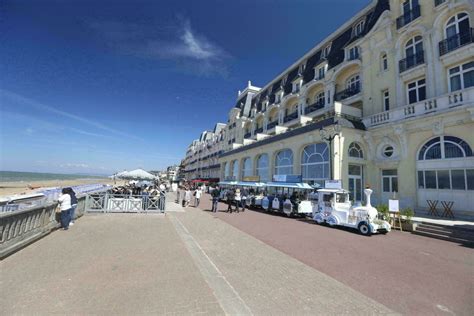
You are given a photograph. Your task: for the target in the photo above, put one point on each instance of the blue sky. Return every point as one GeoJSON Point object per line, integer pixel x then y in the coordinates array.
{"type": "Point", "coordinates": [98, 86]}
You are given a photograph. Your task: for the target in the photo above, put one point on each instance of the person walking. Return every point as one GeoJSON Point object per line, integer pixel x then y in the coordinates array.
{"type": "Point", "coordinates": [244, 195]}
{"type": "Point", "coordinates": [187, 197]}
{"type": "Point", "coordinates": [230, 200]}
{"type": "Point", "coordinates": [238, 200]}
{"type": "Point", "coordinates": [197, 196]}
{"type": "Point", "coordinates": [72, 214]}
{"type": "Point", "coordinates": [215, 198]}
{"type": "Point", "coordinates": [65, 207]}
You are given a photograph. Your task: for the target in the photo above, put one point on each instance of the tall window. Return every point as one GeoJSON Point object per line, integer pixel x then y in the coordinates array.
{"type": "Point", "coordinates": [413, 53]}
{"type": "Point", "coordinates": [355, 151]}
{"type": "Point", "coordinates": [353, 83]}
{"type": "Point", "coordinates": [353, 53]}
{"type": "Point", "coordinates": [315, 163]}
{"type": "Point", "coordinates": [320, 98]}
{"type": "Point", "coordinates": [386, 100]}
{"type": "Point", "coordinates": [226, 170]}
{"type": "Point", "coordinates": [326, 51]}
{"type": "Point", "coordinates": [246, 167]}
{"type": "Point", "coordinates": [359, 28]}
{"type": "Point", "coordinates": [235, 169]}
{"type": "Point", "coordinates": [284, 162]}
{"type": "Point", "coordinates": [321, 72]}
{"type": "Point", "coordinates": [262, 167]}
{"type": "Point", "coordinates": [461, 77]}
{"type": "Point", "coordinates": [409, 5]}
{"type": "Point", "coordinates": [384, 62]}
{"type": "Point", "coordinates": [390, 180]}
{"type": "Point", "coordinates": [458, 24]}
{"type": "Point", "coordinates": [416, 91]}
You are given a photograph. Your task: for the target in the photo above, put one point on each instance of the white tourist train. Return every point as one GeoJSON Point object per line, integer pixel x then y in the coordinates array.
{"type": "Point", "coordinates": [335, 208]}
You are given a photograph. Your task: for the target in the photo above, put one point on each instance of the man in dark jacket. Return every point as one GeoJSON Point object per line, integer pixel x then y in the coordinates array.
{"type": "Point", "coordinates": [215, 198]}
{"type": "Point", "coordinates": [230, 200]}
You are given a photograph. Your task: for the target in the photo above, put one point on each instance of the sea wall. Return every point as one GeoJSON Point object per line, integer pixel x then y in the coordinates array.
{"type": "Point", "coordinates": [20, 228]}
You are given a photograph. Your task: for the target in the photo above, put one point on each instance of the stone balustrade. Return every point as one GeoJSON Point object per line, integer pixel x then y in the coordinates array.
{"type": "Point", "coordinates": [425, 107]}
{"type": "Point", "coordinates": [20, 228]}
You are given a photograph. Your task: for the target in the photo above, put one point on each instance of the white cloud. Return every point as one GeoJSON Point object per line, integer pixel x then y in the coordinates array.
{"type": "Point", "coordinates": [191, 51]}
{"type": "Point", "coordinates": [74, 165]}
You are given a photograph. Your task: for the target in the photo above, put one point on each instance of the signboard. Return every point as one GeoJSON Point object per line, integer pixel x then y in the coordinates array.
{"type": "Point", "coordinates": [333, 184]}
{"type": "Point", "coordinates": [290, 178]}
{"type": "Point", "coordinates": [393, 206]}
{"type": "Point", "coordinates": [251, 179]}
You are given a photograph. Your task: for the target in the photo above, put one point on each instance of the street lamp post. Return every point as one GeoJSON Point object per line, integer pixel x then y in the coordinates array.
{"type": "Point", "coordinates": [329, 135]}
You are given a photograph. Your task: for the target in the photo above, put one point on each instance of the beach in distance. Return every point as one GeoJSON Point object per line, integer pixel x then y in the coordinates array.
{"type": "Point", "coordinates": [12, 182]}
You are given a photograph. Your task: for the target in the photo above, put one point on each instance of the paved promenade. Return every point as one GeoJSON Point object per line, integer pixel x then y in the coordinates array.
{"type": "Point", "coordinates": [185, 262]}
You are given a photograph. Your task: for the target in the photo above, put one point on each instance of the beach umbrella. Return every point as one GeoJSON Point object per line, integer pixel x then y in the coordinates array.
{"type": "Point", "coordinates": [137, 174]}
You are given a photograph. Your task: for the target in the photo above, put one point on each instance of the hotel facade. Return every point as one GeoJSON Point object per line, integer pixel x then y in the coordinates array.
{"type": "Point", "coordinates": [387, 100]}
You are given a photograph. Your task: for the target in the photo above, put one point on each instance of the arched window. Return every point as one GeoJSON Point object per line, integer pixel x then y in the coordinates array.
{"type": "Point", "coordinates": [235, 169]}
{"type": "Point", "coordinates": [414, 51]}
{"type": "Point", "coordinates": [315, 163]}
{"type": "Point", "coordinates": [319, 99]}
{"type": "Point", "coordinates": [226, 170]}
{"type": "Point", "coordinates": [284, 162]}
{"type": "Point", "coordinates": [262, 167]}
{"type": "Point", "coordinates": [457, 26]}
{"type": "Point", "coordinates": [353, 83]}
{"type": "Point", "coordinates": [355, 151]}
{"type": "Point", "coordinates": [444, 147]}
{"type": "Point", "coordinates": [246, 167]}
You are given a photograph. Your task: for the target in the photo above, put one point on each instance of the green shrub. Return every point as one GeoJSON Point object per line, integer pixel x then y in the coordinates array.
{"type": "Point", "coordinates": [407, 213]}
{"type": "Point", "coordinates": [383, 209]}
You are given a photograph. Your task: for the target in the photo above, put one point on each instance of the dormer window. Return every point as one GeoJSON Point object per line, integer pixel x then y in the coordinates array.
{"type": "Point", "coordinates": [321, 72]}
{"type": "Point", "coordinates": [296, 86]}
{"type": "Point", "coordinates": [277, 98]}
{"type": "Point", "coordinates": [326, 51]}
{"type": "Point", "coordinates": [358, 29]}
{"type": "Point", "coordinates": [353, 53]}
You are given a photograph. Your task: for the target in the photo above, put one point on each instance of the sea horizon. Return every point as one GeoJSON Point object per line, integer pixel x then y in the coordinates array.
{"type": "Point", "coordinates": [23, 176]}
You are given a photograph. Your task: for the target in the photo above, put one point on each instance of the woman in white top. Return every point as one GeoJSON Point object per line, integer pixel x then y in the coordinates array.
{"type": "Point", "coordinates": [197, 196]}
{"type": "Point", "coordinates": [65, 206]}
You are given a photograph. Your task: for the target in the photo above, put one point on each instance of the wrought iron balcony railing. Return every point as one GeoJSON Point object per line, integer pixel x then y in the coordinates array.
{"type": "Point", "coordinates": [313, 107]}
{"type": "Point", "coordinates": [290, 117]}
{"type": "Point", "coordinates": [258, 130]}
{"type": "Point", "coordinates": [272, 124]}
{"type": "Point", "coordinates": [349, 92]}
{"type": "Point", "coordinates": [456, 41]}
{"type": "Point", "coordinates": [438, 2]}
{"type": "Point", "coordinates": [408, 16]}
{"type": "Point", "coordinates": [411, 61]}
{"type": "Point", "coordinates": [247, 135]}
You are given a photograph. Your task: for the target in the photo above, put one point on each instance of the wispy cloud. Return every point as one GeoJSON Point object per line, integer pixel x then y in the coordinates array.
{"type": "Point", "coordinates": [19, 99]}
{"type": "Point", "coordinates": [181, 43]}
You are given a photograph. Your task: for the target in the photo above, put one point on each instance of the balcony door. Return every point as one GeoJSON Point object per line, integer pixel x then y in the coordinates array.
{"type": "Point", "coordinates": [408, 5]}
{"type": "Point", "coordinates": [458, 24]}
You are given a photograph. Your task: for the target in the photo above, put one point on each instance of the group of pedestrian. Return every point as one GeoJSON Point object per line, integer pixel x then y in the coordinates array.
{"type": "Point", "coordinates": [185, 195]}
{"type": "Point", "coordinates": [67, 207]}
{"type": "Point", "coordinates": [237, 199]}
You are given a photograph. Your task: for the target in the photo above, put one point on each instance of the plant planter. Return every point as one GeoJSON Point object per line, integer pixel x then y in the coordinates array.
{"type": "Point", "coordinates": [409, 227]}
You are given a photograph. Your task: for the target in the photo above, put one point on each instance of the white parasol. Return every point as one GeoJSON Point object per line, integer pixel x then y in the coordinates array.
{"type": "Point", "coordinates": [138, 174]}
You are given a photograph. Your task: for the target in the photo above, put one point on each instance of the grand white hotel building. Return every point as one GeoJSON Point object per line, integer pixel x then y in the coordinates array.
{"type": "Point", "coordinates": [394, 86]}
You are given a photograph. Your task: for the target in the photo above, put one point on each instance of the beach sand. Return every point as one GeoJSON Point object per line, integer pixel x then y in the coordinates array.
{"type": "Point", "coordinates": [21, 187]}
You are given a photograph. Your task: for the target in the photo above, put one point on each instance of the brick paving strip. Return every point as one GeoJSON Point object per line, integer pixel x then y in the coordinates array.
{"type": "Point", "coordinates": [261, 278]}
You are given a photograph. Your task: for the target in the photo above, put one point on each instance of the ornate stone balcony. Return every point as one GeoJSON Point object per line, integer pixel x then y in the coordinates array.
{"type": "Point", "coordinates": [272, 124]}
{"type": "Point", "coordinates": [442, 103]}
{"type": "Point", "coordinates": [290, 117]}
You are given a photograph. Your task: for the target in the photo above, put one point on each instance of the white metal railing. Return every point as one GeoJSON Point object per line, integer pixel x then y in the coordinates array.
{"type": "Point", "coordinates": [441, 103]}
{"type": "Point", "coordinates": [124, 203]}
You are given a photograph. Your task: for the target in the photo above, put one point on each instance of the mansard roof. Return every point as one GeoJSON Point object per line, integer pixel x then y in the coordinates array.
{"type": "Point", "coordinates": [338, 40]}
